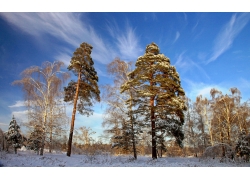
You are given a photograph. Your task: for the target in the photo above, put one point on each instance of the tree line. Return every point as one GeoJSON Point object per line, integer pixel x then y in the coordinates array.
{"type": "Point", "coordinates": [220, 121]}
{"type": "Point", "coordinates": [147, 110]}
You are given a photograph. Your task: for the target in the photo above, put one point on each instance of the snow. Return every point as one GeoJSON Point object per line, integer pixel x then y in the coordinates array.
{"type": "Point", "coordinates": [28, 158]}
{"type": "Point", "coordinates": [97, 166]}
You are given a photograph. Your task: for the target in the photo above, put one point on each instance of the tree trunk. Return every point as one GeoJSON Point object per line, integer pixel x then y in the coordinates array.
{"type": "Point", "coordinates": [51, 129]}
{"type": "Point", "coordinates": [222, 141]}
{"type": "Point", "coordinates": [132, 126]}
{"type": "Point", "coordinates": [133, 139]}
{"type": "Point", "coordinates": [154, 153]}
{"type": "Point", "coordinates": [43, 140]}
{"type": "Point", "coordinates": [211, 136]}
{"type": "Point", "coordinates": [228, 135]}
{"type": "Point", "coordinates": [209, 128]}
{"type": "Point", "coordinates": [73, 116]}
{"type": "Point", "coordinates": [50, 141]}
{"type": "Point", "coordinates": [203, 135]}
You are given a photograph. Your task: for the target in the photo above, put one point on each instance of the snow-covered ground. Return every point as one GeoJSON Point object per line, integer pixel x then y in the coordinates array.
{"type": "Point", "coordinates": [31, 159]}
{"type": "Point", "coordinates": [98, 166]}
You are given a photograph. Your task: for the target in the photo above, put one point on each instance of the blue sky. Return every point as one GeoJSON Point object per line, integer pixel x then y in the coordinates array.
{"type": "Point", "coordinates": [208, 49]}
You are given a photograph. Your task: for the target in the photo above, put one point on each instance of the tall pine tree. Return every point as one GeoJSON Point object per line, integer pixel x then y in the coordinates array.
{"type": "Point", "coordinates": [85, 89]}
{"type": "Point", "coordinates": [160, 97]}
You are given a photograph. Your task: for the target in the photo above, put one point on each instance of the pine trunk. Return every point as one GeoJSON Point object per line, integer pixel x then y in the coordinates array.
{"type": "Point", "coordinates": [132, 126]}
{"type": "Point", "coordinates": [133, 139]}
{"type": "Point", "coordinates": [154, 152]}
{"type": "Point", "coordinates": [73, 117]}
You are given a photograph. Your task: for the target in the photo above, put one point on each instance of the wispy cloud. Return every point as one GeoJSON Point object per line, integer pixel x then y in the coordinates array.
{"type": "Point", "coordinates": [229, 32]}
{"type": "Point", "coordinates": [195, 26]}
{"type": "Point", "coordinates": [66, 27]}
{"type": "Point", "coordinates": [127, 41]}
{"type": "Point", "coordinates": [177, 35]}
{"type": "Point", "coordinates": [185, 16]}
{"type": "Point", "coordinates": [184, 63]}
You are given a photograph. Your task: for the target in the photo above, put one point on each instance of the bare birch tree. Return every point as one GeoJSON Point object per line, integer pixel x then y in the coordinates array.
{"type": "Point", "coordinates": [42, 89]}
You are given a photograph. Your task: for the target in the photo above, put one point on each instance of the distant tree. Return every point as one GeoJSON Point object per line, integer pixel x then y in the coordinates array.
{"type": "Point", "coordinates": [84, 135]}
{"type": "Point", "coordinates": [85, 89]}
{"type": "Point", "coordinates": [204, 124]}
{"type": "Point", "coordinates": [189, 132]}
{"type": "Point", "coordinates": [226, 115]}
{"type": "Point", "coordinates": [42, 91]}
{"type": "Point", "coordinates": [13, 136]}
{"type": "Point", "coordinates": [159, 95]}
{"type": "Point", "coordinates": [243, 117]}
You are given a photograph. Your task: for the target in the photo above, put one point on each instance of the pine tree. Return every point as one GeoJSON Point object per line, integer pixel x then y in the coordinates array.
{"type": "Point", "coordinates": [35, 139]}
{"type": "Point", "coordinates": [85, 89]}
{"type": "Point", "coordinates": [160, 97]}
{"type": "Point", "coordinates": [13, 135]}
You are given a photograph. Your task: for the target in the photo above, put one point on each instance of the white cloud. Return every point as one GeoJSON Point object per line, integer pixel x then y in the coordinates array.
{"type": "Point", "coordinates": [225, 38]}
{"type": "Point", "coordinates": [18, 104]}
{"type": "Point", "coordinates": [21, 116]}
{"type": "Point", "coordinates": [196, 89]}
